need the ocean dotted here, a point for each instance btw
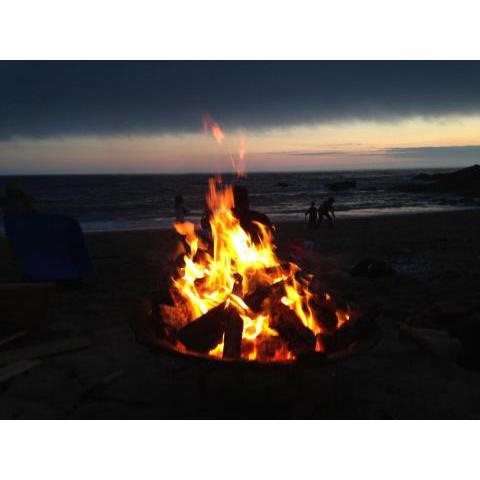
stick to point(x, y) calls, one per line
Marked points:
point(125, 202)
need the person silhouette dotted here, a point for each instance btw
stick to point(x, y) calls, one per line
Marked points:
point(16, 200)
point(312, 215)
point(326, 210)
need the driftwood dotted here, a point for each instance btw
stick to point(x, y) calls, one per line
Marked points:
point(232, 347)
point(291, 329)
point(206, 332)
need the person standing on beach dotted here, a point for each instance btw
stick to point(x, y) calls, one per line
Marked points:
point(312, 214)
point(326, 210)
point(180, 209)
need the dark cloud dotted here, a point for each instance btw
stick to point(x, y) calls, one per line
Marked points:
point(464, 151)
point(427, 153)
point(63, 98)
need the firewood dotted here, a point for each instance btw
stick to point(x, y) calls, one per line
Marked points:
point(232, 347)
point(206, 332)
point(267, 347)
point(202, 257)
point(237, 287)
point(298, 337)
point(353, 330)
point(247, 347)
point(255, 299)
point(325, 316)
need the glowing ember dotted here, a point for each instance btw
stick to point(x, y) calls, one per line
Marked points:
point(240, 273)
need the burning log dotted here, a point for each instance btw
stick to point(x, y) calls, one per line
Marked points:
point(206, 332)
point(232, 347)
point(255, 299)
point(148, 319)
point(351, 331)
point(268, 347)
point(237, 288)
point(325, 315)
point(290, 328)
point(163, 302)
point(248, 347)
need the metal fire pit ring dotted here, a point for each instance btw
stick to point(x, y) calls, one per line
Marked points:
point(308, 361)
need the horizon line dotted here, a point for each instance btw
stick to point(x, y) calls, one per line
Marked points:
point(254, 172)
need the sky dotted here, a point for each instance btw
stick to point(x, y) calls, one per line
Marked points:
point(148, 117)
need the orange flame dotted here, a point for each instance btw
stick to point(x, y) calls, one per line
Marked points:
point(234, 269)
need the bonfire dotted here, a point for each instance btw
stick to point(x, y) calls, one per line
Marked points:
point(234, 298)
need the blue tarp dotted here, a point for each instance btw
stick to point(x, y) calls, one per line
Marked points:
point(48, 247)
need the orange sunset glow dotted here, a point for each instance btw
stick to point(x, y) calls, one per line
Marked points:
point(305, 147)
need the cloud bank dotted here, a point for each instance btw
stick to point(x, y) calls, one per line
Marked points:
point(51, 99)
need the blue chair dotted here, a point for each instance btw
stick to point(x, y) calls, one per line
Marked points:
point(48, 247)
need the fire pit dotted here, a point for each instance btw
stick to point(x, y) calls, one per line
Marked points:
point(232, 301)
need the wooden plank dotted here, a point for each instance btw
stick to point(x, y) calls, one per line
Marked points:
point(44, 350)
point(17, 368)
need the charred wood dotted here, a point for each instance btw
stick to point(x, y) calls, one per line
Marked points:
point(232, 347)
point(351, 331)
point(290, 328)
point(206, 332)
point(325, 315)
point(255, 299)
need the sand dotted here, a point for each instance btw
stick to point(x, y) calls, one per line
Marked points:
point(437, 258)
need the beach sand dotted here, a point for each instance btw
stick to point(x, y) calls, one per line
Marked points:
point(437, 259)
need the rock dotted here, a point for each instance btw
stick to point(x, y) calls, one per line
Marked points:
point(423, 177)
point(464, 181)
